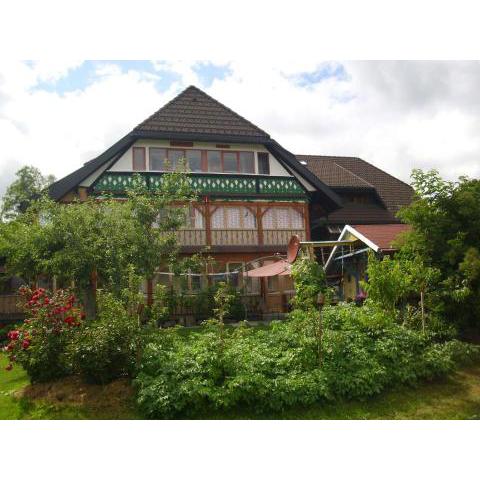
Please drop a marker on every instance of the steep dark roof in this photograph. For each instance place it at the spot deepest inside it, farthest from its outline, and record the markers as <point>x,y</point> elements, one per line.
<point>353,172</point>
<point>193,111</point>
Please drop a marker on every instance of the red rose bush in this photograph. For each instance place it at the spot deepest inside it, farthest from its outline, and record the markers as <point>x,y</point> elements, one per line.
<point>39,345</point>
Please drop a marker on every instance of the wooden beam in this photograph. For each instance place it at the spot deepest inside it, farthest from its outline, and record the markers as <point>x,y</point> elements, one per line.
<point>328,243</point>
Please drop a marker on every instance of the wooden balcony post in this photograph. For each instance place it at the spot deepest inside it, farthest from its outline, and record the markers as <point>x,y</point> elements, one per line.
<point>208,227</point>
<point>259,225</point>
<point>306,219</point>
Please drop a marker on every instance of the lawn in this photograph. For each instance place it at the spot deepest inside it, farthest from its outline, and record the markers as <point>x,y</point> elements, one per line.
<point>457,397</point>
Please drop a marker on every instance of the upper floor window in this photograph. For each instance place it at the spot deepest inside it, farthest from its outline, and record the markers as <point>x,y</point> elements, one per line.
<point>233,217</point>
<point>263,163</point>
<point>215,161</point>
<point>139,163</point>
<point>194,219</point>
<point>285,218</point>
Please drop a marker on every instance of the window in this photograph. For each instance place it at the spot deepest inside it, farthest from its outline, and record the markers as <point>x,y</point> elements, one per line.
<point>230,162</point>
<point>157,158</point>
<point>286,218</point>
<point>235,268</point>
<point>194,160</point>
<point>272,282</point>
<point>263,164</point>
<point>138,159</point>
<point>247,162</point>
<point>162,159</point>
<point>233,217</point>
<point>214,161</point>
<point>194,219</point>
<point>252,284</point>
<point>175,158</point>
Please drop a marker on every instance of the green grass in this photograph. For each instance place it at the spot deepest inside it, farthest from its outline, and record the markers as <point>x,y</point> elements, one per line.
<point>10,382</point>
<point>457,397</point>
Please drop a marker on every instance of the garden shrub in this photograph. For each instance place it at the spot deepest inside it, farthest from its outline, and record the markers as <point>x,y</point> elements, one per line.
<point>273,368</point>
<point>107,348</point>
<point>40,344</point>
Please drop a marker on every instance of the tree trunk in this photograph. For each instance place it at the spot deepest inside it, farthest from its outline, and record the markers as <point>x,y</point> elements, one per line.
<point>319,336</point>
<point>422,307</point>
<point>89,301</point>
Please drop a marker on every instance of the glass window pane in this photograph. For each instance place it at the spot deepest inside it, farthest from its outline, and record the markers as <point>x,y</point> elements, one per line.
<point>297,219</point>
<point>283,217</point>
<point>263,164</point>
<point>157,158</point>
<point>233,217</point>
<point>175,157</point>
<point>230,162</point>
<point>196,283</point>
<point>247,163</point>
<point>194,160</point>
<point>138,159</point>
<point>218,218</point>
<point>214,164</point>
<point>236,269</point>
<point>268,219</point>
<point>249,220</point>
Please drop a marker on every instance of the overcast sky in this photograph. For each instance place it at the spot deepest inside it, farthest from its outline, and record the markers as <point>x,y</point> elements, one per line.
<point>397,115</point>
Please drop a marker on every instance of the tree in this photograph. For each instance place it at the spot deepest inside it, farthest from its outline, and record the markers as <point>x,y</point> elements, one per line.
<point>27,188</point>
<point>310,289</point>
<point>94,242</point>
<point>393,282</point>
<point>445,217</point>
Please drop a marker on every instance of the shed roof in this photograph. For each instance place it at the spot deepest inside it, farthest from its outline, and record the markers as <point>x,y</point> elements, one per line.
<point>383,236</point>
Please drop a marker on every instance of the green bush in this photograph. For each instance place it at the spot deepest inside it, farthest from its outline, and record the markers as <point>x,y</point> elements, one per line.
<point>40,343</point>
<point>273,368</point>
<point>107,348</point>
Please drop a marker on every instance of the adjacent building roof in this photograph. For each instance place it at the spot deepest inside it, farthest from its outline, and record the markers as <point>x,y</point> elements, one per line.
<point>365,213</point>
<point>332,173</point>
<point>342,173</point>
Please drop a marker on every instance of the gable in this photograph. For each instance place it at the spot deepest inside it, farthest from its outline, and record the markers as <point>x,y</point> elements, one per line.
<point>194,116</point>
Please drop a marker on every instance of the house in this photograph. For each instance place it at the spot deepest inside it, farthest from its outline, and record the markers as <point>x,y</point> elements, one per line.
<point>253,194</point>
<point>347,263</point>
<point>369,195</point>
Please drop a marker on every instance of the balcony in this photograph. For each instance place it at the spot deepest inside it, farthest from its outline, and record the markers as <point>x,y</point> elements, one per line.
<point>214,184</point>
<point>237,237</point>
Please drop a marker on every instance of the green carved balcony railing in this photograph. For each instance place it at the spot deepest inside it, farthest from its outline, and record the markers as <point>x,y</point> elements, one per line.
<point>208,184</point>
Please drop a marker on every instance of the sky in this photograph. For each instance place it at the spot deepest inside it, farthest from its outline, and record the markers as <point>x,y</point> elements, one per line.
<point>397,115</point>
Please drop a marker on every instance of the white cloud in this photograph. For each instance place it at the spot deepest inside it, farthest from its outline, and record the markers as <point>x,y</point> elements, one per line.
<point>397,115</point>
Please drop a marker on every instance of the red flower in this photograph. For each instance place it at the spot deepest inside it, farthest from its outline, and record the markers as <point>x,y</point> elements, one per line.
<point>13,334</point>
<point>69,320</point>
<point>82,315</point>
<point>25,344</point>
<point>9,367</point>
<point>46,301</point>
